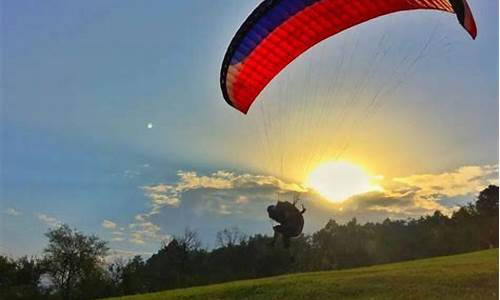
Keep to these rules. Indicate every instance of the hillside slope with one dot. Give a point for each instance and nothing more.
(466, 276)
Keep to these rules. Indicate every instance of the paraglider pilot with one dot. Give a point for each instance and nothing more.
(290, 219)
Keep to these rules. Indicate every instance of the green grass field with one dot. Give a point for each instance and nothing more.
(466, 276)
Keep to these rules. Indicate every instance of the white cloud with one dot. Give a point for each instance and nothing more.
(241, 199)
(127, 174)
(462, 181)
(137, 241)
(161, 195)
(12, 212)
(140, 232)
(161, 200)
(108, 224)
(50, 221)
(146, 231)
(131, 173)
(224, 209)
(140, 218)
(124, 255)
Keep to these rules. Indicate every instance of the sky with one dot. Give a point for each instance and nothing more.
(112, 121)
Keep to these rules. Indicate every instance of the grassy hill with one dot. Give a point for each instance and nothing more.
(466, 276)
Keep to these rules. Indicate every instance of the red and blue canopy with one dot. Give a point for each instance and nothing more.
(278, 31)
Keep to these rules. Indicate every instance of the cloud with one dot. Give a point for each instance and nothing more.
(421, 194)
(241, 199)
(141, 231)
(146, 231)
(462, 181)
(137, 241)
(224, 210)
(116, 255)
(225, 193)
(108, 224)
(12, 212)
(379, 205)
(131, 173)
(50, 221)
(161, 195)
(222, 193)
(220, 199)
(128, 174)
(118, 235)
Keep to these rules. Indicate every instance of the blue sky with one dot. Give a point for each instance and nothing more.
(81, 81)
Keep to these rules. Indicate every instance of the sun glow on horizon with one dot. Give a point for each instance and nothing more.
(337, 181)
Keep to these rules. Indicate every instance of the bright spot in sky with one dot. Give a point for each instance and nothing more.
(337, 181)
(150, 125)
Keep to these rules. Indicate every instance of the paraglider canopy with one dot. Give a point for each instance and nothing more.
(278, 31)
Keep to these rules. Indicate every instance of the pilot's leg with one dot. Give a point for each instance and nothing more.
(287, 232)
(278, 230)
(286, 242)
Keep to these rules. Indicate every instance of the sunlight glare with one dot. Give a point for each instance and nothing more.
(337, 181)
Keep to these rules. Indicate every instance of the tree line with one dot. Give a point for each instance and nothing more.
(73, 266)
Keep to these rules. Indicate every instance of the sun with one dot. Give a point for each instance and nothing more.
(337, 181)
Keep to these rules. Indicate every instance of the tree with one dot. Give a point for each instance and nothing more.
(487, 210)
(72, 259)
(131, 276)
(189, 241)
(229, 237)
(177, 263)
(7, 271)
(19, 278)
(188, 246)
(487, 201)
